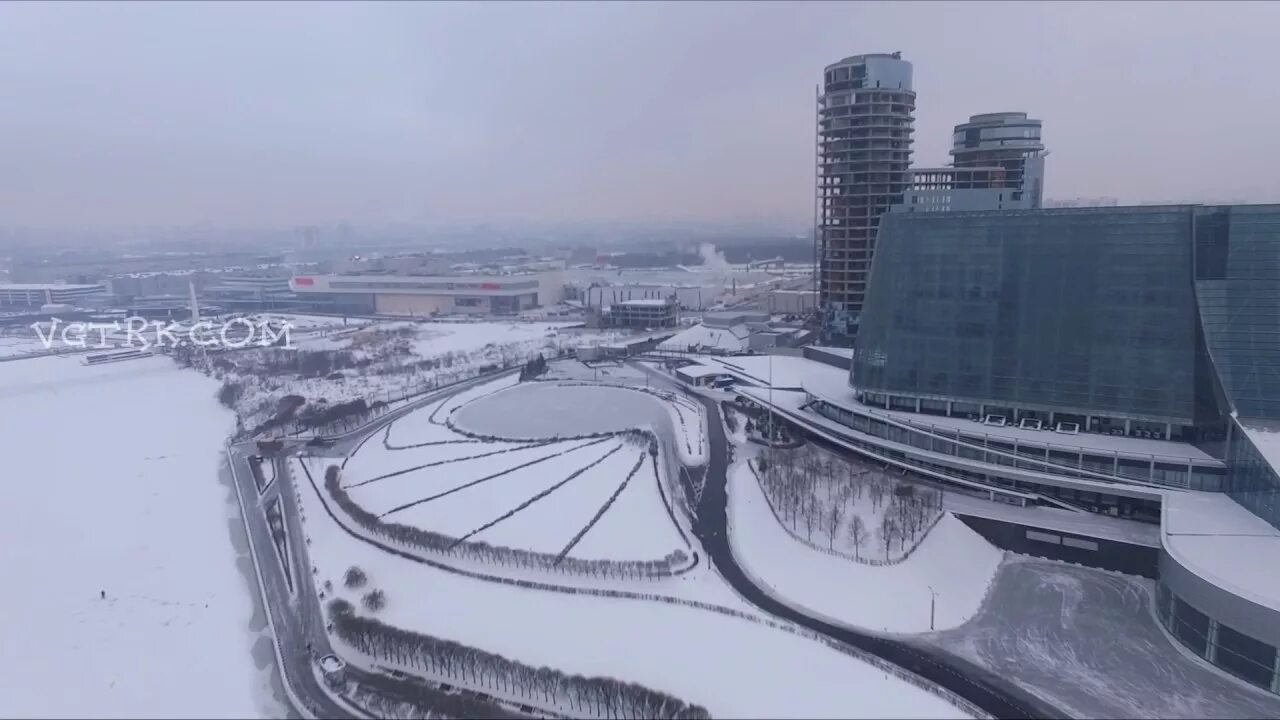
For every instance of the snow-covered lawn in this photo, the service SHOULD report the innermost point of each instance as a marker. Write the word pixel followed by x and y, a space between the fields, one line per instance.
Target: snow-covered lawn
pixel 854 510
pixel 732 666
pixel 952 559
pixel 112 485
pixel 422 474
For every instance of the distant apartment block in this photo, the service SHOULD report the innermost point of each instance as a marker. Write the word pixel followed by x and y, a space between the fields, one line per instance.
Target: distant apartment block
pixel 28 295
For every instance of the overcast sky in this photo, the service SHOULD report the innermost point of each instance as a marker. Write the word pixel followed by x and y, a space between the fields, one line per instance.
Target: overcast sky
pixel 296 113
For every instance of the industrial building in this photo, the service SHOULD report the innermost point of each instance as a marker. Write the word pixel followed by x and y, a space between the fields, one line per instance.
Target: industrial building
pixel 865 118
pixel 642 314
pixel 425 295
pixel 35 295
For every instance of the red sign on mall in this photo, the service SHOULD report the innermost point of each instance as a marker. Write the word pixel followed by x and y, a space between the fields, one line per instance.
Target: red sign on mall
pixel 304 281
pixel 490 286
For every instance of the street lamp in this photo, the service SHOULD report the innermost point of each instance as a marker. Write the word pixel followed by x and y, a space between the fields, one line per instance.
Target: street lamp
pixel 933 598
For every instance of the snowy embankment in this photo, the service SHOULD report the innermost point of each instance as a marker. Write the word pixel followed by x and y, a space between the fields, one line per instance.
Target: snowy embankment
pixel 731 665
pixel 384 361
pixel 112 485
pixel 957 563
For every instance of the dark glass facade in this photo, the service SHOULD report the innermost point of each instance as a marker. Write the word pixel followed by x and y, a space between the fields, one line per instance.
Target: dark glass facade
pixel 1237 280
pixel 1088 311
pixel 1251 481
pixel 1245 657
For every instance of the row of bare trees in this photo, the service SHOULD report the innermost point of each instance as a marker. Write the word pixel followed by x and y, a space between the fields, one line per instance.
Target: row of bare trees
pixel 818 497
pixel 598 696
pixel 429 541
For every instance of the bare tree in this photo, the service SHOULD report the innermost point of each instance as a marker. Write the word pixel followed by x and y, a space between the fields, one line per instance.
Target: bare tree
pixel 857 533
pixel 834 515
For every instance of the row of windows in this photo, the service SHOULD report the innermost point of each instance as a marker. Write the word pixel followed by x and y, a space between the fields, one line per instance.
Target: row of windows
pixel 1038 459
pixel 1249 659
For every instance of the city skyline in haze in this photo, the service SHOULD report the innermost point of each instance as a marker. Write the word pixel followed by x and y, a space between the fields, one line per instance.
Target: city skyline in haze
pixel 296 113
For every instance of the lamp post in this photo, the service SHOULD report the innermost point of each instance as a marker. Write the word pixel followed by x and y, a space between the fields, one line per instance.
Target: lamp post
pixel 933 598
pixel 770 411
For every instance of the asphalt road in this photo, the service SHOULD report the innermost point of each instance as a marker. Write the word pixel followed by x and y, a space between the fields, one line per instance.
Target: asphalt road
pixel 977 685
pixel 299 621
pixel 297 617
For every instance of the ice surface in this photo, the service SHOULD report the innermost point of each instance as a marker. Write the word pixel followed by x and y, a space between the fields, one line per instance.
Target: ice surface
pixel 112 485
pixel 546 409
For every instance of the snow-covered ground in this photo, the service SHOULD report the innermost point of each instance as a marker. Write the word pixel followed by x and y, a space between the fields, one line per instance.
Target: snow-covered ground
pixel 1087 641
pixel 732 666
pixel 420 473
pixel 385 360
pixel 954 561
pixel 112 485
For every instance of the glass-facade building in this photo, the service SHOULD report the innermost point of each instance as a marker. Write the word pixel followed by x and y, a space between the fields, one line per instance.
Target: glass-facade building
pixel 1085 313
pixel 1161 322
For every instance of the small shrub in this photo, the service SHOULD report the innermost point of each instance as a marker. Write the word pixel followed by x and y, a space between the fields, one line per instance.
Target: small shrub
pixel 354 577
pixel 374 600
pixel 230 393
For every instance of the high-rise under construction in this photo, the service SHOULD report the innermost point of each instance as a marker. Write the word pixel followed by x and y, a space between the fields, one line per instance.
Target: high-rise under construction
pixel 865 119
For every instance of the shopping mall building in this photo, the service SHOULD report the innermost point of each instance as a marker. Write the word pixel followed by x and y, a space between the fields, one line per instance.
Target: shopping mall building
pixel 1120 360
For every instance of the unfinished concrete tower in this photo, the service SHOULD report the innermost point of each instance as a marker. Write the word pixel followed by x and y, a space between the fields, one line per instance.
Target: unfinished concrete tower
pixel 864 152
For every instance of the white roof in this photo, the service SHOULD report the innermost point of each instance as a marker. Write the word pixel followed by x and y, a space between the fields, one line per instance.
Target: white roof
pixel 786 371
pixel 1218 539
pixel 1097 443
pixel 842 352
pixel 698 370
pixel 732 339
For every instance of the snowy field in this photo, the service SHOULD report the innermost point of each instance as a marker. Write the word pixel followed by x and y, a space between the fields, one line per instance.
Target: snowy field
pixel 732 666
pixel 535 495
pixel 952 559
pixel 113 485
pixel 1086 641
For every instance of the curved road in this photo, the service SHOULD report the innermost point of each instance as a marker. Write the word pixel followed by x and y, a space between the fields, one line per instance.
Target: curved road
pixel 977 685
pixel 987 691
